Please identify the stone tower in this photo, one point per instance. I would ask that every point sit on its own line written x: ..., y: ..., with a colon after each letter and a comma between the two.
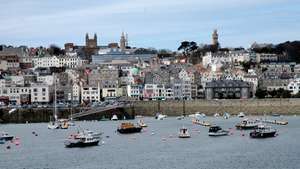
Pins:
x: 215, y: 38
x: 123, y: 42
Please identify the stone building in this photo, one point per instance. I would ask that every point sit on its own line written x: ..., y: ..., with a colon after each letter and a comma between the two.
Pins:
x: 231, y: 89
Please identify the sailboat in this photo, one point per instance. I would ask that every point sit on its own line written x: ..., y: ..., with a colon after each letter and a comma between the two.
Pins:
x: 70, y: 120
x: 54, y: 124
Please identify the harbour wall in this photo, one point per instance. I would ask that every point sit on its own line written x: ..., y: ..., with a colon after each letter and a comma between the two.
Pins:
x: 170, y: 108
x: 209, y: 107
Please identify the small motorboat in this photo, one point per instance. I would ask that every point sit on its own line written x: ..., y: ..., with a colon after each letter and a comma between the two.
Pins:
x: 114, y: 117
x: 82, y: 139
x: 127, y: 128
x: 217, y: 131
x: 200, y: 122
x: 216, y: 115
x: 263, y: 132
x: 142, y: 123
x: 180, y: 117
x: 246, y: 124
x: 275, y: 114
x: 183, y: 133
x: 161, y: 117
x: 241, y: 115
x: 63, y: 123
x: 6, y: 137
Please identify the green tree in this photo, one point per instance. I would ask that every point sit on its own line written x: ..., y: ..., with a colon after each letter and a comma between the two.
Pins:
x: 260, y: 93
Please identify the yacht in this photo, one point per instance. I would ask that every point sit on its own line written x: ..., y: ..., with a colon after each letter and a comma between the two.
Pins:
x: 53, y: 123
x: 246, y: 124
x: 263, y: 132
x: 200, y: 122
x: 217, y: 131
x: 126, y: 128
x: 183, y: 133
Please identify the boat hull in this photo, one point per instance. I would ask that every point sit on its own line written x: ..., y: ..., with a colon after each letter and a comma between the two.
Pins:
x: 6, y: 138
x: 218, y: 134
x: 130, y: 130
x: 81, y: 144
x: 262, y: 135
x: 242, y: 127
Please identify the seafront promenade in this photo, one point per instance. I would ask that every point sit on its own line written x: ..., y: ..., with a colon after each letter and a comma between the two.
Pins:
x: 170, y: 108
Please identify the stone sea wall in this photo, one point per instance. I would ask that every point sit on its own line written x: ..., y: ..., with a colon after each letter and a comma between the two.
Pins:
x: 209, y: 107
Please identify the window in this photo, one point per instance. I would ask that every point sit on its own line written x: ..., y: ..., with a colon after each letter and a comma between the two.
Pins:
x: 35, y: 90
x: 43, y: 89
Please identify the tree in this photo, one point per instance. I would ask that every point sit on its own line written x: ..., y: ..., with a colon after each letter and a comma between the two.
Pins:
x: 272, y: 93
x: 260, y: 93
x: 187, y: 47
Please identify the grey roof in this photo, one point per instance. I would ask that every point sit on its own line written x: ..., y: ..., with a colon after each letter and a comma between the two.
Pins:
x: 227, y: 84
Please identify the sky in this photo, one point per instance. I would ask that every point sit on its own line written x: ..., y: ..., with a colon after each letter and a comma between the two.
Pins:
x: 161, y: 24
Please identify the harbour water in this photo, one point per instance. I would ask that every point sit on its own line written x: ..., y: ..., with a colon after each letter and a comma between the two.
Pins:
x: 156, y: 147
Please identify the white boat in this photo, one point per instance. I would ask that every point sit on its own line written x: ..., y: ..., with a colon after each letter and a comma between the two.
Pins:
x: 216, y: 115
x: 200, y: 122
x: 53, y: 125
x: 6, y: 137
x: 83, y: 139
x: 114, y: 117
x: 161, y: 117
x: 142, y: 123
x: 217, y: 131
x: 196, y: 115
x: 241, y: 115
x: 180, y: 117
x: 183, y: 133
x: 247, y: 124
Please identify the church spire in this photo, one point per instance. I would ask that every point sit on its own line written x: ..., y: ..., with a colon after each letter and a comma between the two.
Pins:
x: 122, y: 42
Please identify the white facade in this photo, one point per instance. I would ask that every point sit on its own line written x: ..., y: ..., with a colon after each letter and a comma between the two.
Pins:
x: 91, y: 94
x: 40, y: 93
x: 54, y: 61
x: 48, y: 79
x: 294, y: 86
x: 134, y: 91
x: 154, y: 91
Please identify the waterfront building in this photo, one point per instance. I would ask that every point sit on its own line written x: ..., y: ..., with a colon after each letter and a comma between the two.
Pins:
x: 40, y: 93
x: 135, y: 91
x: 154, y: 92
x: 90, y: 94
x: 294, y: 86
x: 231, y: 89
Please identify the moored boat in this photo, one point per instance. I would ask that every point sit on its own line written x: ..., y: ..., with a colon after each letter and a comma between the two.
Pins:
x: 263, y: 132
x: 226, y: 115
x: 241, y: 115
x: 216, y: 115
x: 183, y: 133
x: 142, y: 123
x: 246, y: 124
x: 200, y: 122
x: 114, y: 117
x: 83, y: 139
x: 6, y: 137
x: 180, y: 117
x: 127, y: 128
x: 217, y: 131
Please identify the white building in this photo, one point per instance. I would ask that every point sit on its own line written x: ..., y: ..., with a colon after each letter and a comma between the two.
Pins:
x: 48, y: 79
x: 90, y: 94
x: 135, y: 91
x: 154, y: 91
x: 294, y: 86
x: 57, y: 61
x: 40, y: 93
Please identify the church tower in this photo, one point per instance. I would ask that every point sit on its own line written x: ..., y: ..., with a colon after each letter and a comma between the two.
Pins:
x: 91, y: 43
x: 123, y: 42
x: 215, y: 38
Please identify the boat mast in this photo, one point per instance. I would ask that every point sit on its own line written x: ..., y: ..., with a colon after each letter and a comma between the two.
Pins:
x: 55, y: 116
